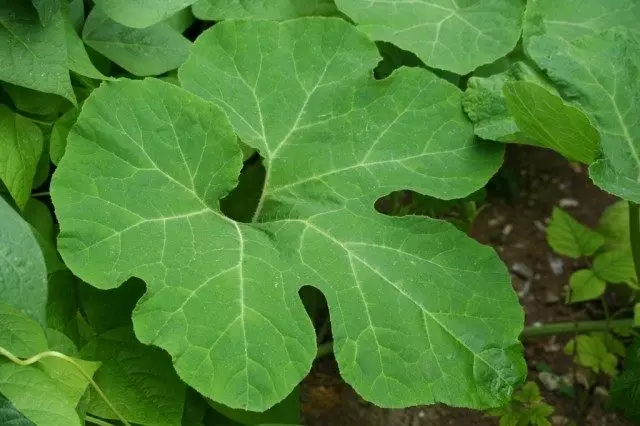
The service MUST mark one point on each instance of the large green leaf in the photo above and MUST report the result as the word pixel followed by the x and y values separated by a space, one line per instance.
pixel 600 74
pixel 141 13
pixel 551 123
pixel 274 9
pixel 9 414
pixel 569 237
pixel 20 149
pixel 33 55
pixel 23 338
pixel 147 51
pixel 23 274
pixel 572 19
pixel 137 194
pixel 79 61
pixel 455 36
pixel 129 370
pixel 46 9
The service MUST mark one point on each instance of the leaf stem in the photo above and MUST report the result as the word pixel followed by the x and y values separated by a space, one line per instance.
pixel 538 331
pixel 54 354
pixel 97 421
pixel 40 194
pixel 634 235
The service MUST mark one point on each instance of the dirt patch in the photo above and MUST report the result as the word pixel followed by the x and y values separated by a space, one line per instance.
pixel 514 226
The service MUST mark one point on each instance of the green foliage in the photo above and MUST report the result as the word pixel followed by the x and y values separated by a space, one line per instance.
pixel 625 391
pixel 188 209
pixel 527 407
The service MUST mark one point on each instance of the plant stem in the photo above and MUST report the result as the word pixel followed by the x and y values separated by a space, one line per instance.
pixel 40 194
pixel 538 331
pixel 634 235
pixel 96 421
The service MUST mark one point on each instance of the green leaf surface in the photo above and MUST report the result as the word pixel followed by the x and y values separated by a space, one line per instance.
pixel 544 118
pixel 181 20
pixel 10 416
pixel 62 304
pixel 141 13
pixel 614 226
pixel 591 352
pixel 23 274
pixel 286 411
pixel 33 55
pixel 592 71
pixel 60 132
pixel 415 288
pixel 19 334
pixel 567 236
pixel 20 149
pixel 129 370
pixel 47 10
pixel 75 10
pixel 572 19
pixel 615 266
pixel 38 215
pixel 79 61
pixel 34 102
pixel 454 36
pixel 147 51
pixel 585 285
pixel 625 390
pixel 215 10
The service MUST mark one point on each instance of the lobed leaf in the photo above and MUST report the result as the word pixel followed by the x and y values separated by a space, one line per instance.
pixel 137 194
pixel 23 275
pixel 450 35
pixel 20 150
pixel 568 237
pixel 147 51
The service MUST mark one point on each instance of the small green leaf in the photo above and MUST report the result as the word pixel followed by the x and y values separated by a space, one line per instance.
pixel 129 370
pixel 456 37
pixel 615 266
pixel 545 119
pixel 59 134
pixel 568 237
pixel 148 51
pixel 591 352
pixel 612 344
pixel 141 13
pixel 33 55
pixel 215 10
pixel 585 285
pixel 23 274
pixel 614 226
pixel 9 414
pixel 20 149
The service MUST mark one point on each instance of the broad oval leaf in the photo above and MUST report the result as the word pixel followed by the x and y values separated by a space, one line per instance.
pixel 149 162
pixel 141 13
pixel 454 36
pixel 215 10
pixel 21 145
pixel 33 55
pixel 147 51
pixel 23 274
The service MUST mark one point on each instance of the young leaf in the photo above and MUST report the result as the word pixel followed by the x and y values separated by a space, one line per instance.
pixel 215 10
pixel 152 160
pixel 141 13
pixel 585 285
pixel 568 237
pixel 9 414
pixel 456 37
pixel 625 390
pixel 615 266
pixel 129 370
pixel 148 51
pixel 591 352
pixel 23 274
pixel 590 71
pixel 20 149
pixel 33 55
pixel 551 123
pixel 614 226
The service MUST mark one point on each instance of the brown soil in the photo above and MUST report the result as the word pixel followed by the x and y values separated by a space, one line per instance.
pixel 515 229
